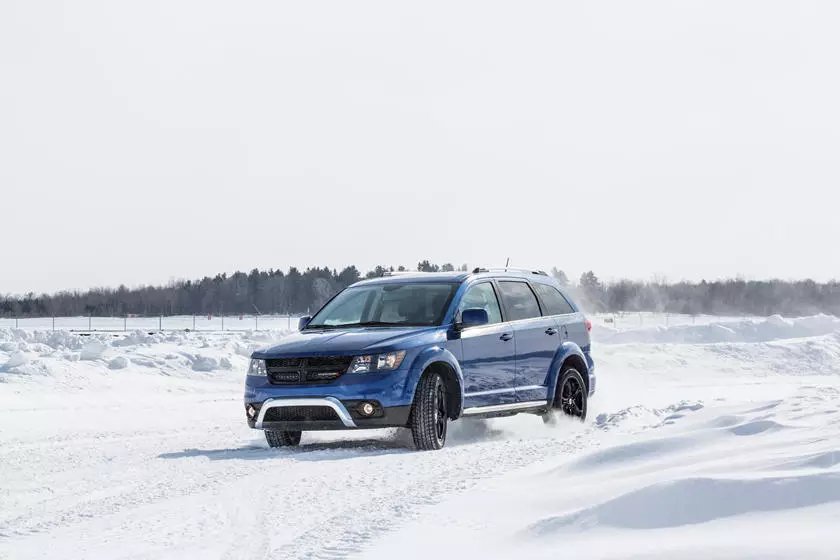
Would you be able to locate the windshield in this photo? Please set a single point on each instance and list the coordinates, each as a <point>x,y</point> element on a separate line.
<point>398,304</point>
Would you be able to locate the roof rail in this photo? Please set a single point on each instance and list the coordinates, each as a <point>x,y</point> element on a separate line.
<point>402,272</point>
<point>478,269</point>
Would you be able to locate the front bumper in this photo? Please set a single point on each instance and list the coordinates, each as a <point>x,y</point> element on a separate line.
<point>322,413</point>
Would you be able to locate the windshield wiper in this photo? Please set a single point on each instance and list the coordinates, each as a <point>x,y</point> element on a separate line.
<point>352,325</point>
<point>387,324</point>
<point>313,327</point>
<point>366,324</point>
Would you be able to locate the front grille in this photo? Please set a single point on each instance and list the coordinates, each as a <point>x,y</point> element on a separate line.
<point>300,414</point>
<point>310,370</point>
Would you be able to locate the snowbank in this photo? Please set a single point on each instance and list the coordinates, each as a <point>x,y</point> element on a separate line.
<point>120,362</point>
<point>92,350</point>
<point>178,353</point>
<point>15,359</point>
<point>750,330</point>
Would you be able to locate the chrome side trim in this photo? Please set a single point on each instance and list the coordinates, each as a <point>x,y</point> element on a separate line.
<point>483,330</point>
<point>511,390</point>
<point>533,388</point>
<point>330,402</point>
<point>534,320</point>
<point>490,392</point>
<point>503,407</point>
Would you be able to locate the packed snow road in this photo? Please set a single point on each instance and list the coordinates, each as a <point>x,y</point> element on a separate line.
<point>700,438</point>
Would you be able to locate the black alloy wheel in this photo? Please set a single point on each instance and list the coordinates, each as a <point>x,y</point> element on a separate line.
<point>571,394</point>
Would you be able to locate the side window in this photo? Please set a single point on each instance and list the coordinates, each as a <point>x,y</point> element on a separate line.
<point>520,300</point>
<point>482,296</point>
<point>555,303</point>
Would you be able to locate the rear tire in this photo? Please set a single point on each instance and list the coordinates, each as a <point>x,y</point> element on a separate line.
<point>430,414</point>
<point>571,396</point>
<point>283,438</point>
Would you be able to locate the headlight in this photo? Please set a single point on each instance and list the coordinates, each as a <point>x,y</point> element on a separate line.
<point>257,367</point>
<point>360,364</point>
<point>376,362</point>
<point>389,361</point>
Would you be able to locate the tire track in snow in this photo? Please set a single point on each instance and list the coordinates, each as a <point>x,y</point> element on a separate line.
<point>444,474</point>
<point>325,500</point>
<point>382,504</point>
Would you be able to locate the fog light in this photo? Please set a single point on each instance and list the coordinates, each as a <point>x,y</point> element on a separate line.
<point>367,409</point>
<point>251,411</point>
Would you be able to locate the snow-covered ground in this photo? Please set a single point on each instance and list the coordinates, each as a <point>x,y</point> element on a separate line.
<point>708,438</point>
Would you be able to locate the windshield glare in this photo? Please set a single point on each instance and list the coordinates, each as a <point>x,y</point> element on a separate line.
<point>404,304</point>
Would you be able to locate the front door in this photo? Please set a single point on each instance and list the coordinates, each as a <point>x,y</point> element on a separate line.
<point>488,360</point>
<point>537,339</point>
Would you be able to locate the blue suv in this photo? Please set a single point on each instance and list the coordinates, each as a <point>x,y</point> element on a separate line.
<point>420,349</point>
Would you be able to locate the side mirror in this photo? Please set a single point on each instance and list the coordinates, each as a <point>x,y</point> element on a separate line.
<point>303,321</point>
<point>474,317</point>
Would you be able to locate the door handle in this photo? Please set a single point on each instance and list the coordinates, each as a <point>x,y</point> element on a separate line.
<point>550,330</point>
<point>506,337</point>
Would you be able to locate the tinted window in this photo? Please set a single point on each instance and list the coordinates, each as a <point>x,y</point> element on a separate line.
<point>553,300</point>
<point>397,303</point>
<point>482,296</point>
<point>520,301</point>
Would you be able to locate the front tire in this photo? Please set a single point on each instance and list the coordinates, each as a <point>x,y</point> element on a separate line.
<point>571,397</point>
<point>430,414</point>
<point>283,438</point>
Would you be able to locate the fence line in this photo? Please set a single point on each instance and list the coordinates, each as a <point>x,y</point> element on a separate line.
<point>125,323</point>
<point>216,323</point>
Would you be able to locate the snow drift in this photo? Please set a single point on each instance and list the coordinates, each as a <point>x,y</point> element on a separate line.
<point>747,330</point>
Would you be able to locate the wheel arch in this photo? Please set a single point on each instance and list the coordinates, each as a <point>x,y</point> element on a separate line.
<point>442,361</point>
<point>568,354</point>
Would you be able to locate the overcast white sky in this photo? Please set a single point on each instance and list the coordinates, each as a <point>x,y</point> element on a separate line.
<point>143,141</point>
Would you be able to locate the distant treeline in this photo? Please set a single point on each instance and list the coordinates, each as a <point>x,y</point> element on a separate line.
<point>295,291</point>
<point>720,297</point>
<point>260,291</point>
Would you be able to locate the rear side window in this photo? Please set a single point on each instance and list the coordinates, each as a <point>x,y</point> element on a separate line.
<point>483,297</point>
<point>520,301</point>
<point>553,300</point>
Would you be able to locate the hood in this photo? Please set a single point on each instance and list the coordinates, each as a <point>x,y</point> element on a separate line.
<point>349,342</point>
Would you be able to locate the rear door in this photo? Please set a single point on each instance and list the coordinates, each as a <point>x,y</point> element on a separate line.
<point>488,361</point>
<point>537,338</point>
<point>571,322</point>
<point>553,303</point>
